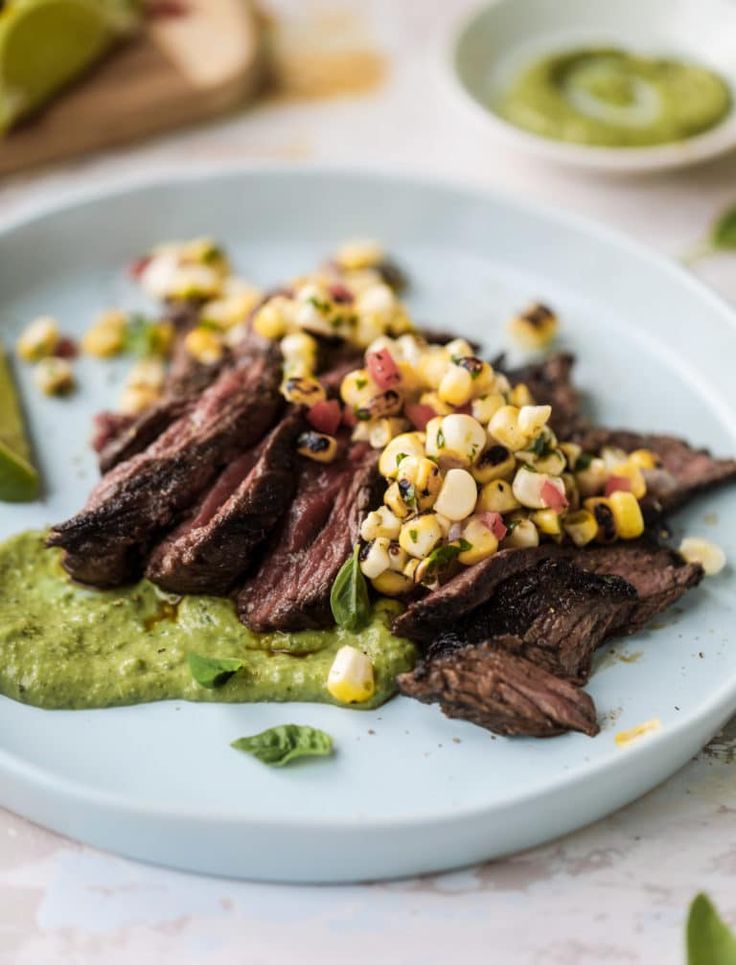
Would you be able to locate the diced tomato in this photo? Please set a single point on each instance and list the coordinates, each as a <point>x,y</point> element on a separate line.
<point>494,522</point>
<point>66,348</point>
<point>325,416</point>
<point>419,415</point>
<point>552,497</point>
<point>383,369</point>
<point>341,294</point>
<point>138,266</point>
<point>466,409</point>
<point>616,484</point>
<point>349,418</point>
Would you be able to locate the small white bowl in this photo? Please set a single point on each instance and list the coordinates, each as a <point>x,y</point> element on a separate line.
<point>497,40</point>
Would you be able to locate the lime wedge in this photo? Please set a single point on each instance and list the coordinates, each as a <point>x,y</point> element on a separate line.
<point>45,44</point>
<point>19,481</point>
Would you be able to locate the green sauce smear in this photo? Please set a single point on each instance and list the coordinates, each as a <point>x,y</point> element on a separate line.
<point>65,646</point>
<point>610,98</point>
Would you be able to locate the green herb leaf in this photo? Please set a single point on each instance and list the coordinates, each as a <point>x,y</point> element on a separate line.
<point>443,555</point>
<point>279,745</point>
<point>212,672</point>
<point>709,939</point>
<point>583,462</point>
<point>140,335</point>
<point>723,232</point>
<point>349,600</point>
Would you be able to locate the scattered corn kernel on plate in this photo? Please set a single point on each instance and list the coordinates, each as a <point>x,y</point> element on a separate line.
<point>406,790</point>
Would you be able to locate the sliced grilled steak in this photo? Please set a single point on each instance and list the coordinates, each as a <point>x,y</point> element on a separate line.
<point>550,383</point>
<point>106,543</point>
<point>507,694</point>
<point>215,546</point>
<point>685,471</point>
<point>291,588</point>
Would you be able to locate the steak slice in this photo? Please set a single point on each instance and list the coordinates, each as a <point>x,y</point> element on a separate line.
<point>504,693</point>
<point>106,543</point>
<point>550,383</point>
<point>685,471</point>
<point>291,588</point>
<point>211,550</point>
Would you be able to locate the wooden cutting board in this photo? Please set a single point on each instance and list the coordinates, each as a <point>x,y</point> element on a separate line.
<point>179,69</point>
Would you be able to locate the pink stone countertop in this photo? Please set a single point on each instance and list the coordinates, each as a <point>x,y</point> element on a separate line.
<point>616,892</point>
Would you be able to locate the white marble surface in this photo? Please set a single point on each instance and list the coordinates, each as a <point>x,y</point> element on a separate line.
<point>615,892</point>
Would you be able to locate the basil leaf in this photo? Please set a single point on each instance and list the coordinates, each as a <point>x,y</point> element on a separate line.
<point>349,600</point>
<point>443,555</point>
<point>212,672</point>
<point>723,232</point>
<point>709,939</point>
<point>279,745</point>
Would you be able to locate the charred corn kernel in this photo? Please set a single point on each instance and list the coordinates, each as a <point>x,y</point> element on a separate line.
<point>455,439</point>
<point>497,497</point>
<point>303,391</point>
<point>644,459</point>
<point>504,428</point>
<point>535,327</point>
<point>391,583</point>
<point>481,373</point>
<point>374,558</point>
<point>457,348</point>
<point>496,462</point>
<point>424,478</point>
<point>581,527</point>
<point>572,493</point>
<point>381,522</point>
<point>522,535</point>
<point>396,503</point>
<point>354,255</point>
<point>456,386</point>
<point>380,406</point>
<point>694,549</point>
<point>204,345</point>
<point>426,573</point>
<point>54,376</point>
<point>547,521</point>
<point>420,535</point>
<point>635,476</point>
<point>107,336</point>
<point>572,452</point>
<point>520,395</point>
<point>299,346</point>
<point>533,418</point>
<point>317,446</point>
<point>482,543</point>
<point>432,365</point>
<point>591,479</point>
<point>410,348</point>
<point>433,400</point>
<point>351,679</point>
<point>625,737</point>
<point>552,463</point>
<point>534,489</point>
<point>401,446</point>
<point>137,398</point>
<point>626,514</point>
<point>357,388</point>
<point>398,558</point>
<point>603,515</point>
<point>294,369</point>
<point>270,321</point>
<point>39,339</point>
<point>385,430</point>
<point>148,373</point>
<point>410,570</point>
<point>486,406</point>
<point>457,497</point>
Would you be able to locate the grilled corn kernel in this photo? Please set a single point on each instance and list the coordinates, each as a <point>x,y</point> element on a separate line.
<point>398,558</point>
<point>504,428</point>
<point>54,376</point>
<point>547,521</point>
<point>204,345</point>
<point>457,497</point>
<point>391,583</point>
<point>374,558</point>
<point>357,388</point>
<point>299,346</point>
<point>482,543</point>
<point>603,514</point>
<point>711,557</point>
<point>432,365</point>
<point>458,348</point>
<point>39,339</point>
<point>410,570</point>
<point>572,452</point>
<point>147,373</point>
<point>581,527</point>
<point>303,391</point>
<point>351,679</point>
<point>591,479</point>
<point>534,489</point>
<point>533,418</point>
<point>381,405</point>
<point>456,439</point>
<point>381,522</point>
<point>627,470</point>
<point>627,514</point>
<point>434,402</point>
<point>613,457</point>
<point>107,336</point>
<point>497,497</point>
<point>419,536</point>
<point>395,501</point>
<point>401,446</point>
<point>137,398</point>
<point>486,406</point>
<point>496,462</point>
<point>520,395</point>
<point>522,535</point>
<point>644,459</point>
<point>456,386</point>
<point>571,491</point>
<point>270,321</point>
<point>385,430</point>
<point>317,446</point>
<point>535,327</point>
<point>423,476</point>
<point>553,463</point>
<point>354,255</point>
<point>233,308</point>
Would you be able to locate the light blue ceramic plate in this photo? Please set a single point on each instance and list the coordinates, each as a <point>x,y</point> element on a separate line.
<point>408,791</point>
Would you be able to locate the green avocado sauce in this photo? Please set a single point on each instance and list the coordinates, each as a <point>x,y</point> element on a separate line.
<point>611,98</point>
<point>65,646</point>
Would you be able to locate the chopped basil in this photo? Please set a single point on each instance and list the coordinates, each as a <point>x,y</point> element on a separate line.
<point>399,457</point>
<point>280,745</point>
<point>361,383</point>
<point>442,556</point>
<point>440,439</point>
<point>141,336</point>
<point>709,940</point>
<point>414,535</point>
<point>212,672</point>
<point>583,462</point>
<point>349,600</point>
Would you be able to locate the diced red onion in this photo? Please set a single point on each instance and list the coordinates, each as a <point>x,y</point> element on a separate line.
<point>325,416</point>
<point>616,484</point>
<point>419,414</point>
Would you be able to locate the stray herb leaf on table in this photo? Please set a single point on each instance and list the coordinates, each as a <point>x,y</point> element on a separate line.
<point>709,939</point>
<point>288,742</point>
